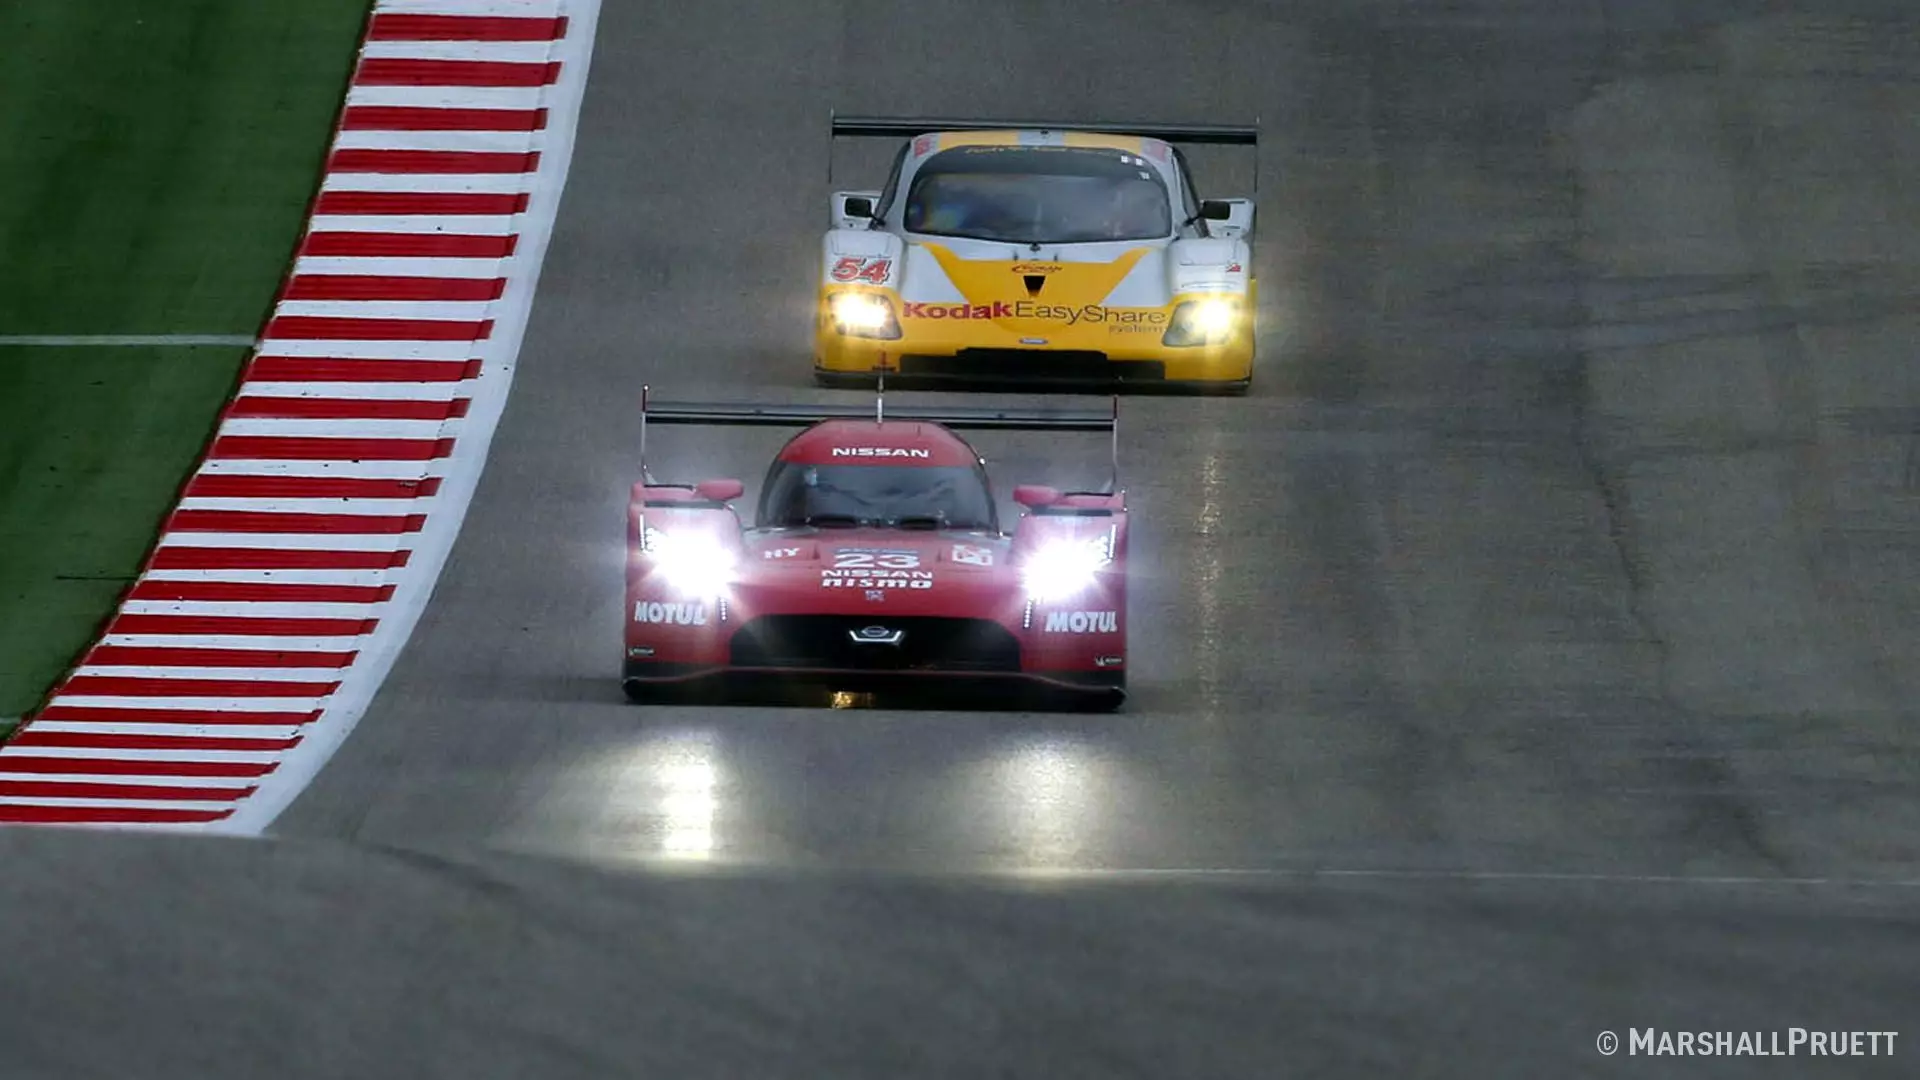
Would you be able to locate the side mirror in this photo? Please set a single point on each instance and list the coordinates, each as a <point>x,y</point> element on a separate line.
<point>719,490</point>
<point>1033,496</point>
<point>852,209</point>
<point>1229,218</point>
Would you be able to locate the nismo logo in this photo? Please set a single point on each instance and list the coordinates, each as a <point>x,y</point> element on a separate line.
<point>1070,314</point>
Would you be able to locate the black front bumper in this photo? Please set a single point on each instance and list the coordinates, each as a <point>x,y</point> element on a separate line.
<point>1016,370</point>
<point>948,688</point>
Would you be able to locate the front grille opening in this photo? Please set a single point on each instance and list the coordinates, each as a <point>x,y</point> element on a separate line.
<point>822,641</point>
<point>1037,364</point>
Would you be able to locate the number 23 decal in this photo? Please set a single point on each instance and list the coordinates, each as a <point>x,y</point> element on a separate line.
<point>868,560</point>
<point>861,268</point>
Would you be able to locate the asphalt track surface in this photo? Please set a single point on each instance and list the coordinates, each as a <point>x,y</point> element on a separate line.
<point>1529,655</point>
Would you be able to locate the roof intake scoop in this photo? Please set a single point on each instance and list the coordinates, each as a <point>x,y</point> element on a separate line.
<point>1034,282</point>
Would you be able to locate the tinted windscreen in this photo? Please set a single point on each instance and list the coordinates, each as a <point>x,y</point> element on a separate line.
<point>1038,195</point>
<point>950,497</point>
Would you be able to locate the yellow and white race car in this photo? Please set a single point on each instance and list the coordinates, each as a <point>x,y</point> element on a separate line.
<point>1020,254</point>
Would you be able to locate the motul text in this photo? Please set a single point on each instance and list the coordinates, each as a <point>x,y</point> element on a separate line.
<point>1082,622</point>
<point>645,611</point>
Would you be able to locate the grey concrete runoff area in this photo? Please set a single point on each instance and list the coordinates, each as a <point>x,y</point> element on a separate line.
<point>1531,654</point>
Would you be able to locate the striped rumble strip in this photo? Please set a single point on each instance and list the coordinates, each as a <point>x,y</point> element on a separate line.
<point>304,544</point>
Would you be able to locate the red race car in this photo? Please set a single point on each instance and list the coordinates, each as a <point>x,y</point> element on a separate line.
<point>877,563</point>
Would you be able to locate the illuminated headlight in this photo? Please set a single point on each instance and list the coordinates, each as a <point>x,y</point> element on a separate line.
<point>864,315</point>
<point>691,565</point>
<point>1064,569</point>
<point>1203,322</point>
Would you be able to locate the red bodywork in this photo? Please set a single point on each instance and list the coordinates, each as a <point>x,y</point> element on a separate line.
<point>798,598</point>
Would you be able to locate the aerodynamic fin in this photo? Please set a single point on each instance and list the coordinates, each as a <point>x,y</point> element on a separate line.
<point>959,418</point>
<point>909,126</point>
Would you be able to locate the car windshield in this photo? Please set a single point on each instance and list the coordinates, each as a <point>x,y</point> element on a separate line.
<point>828,496</point>
<point>1038,195</point>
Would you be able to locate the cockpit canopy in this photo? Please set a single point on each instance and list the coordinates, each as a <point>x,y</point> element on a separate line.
<point>799,493</point>
<point>1038,195</point>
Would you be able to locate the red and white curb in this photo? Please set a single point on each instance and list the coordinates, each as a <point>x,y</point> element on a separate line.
<point>303,549</point>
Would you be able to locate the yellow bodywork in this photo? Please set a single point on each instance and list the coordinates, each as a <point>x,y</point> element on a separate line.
<point>1064,314</point>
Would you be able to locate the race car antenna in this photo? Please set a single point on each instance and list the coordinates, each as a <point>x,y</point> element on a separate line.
<point>644,477</point>
<point>880,392</point>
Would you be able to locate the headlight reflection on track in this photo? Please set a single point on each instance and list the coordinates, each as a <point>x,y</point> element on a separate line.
<point>671,787</point>
<point>687,806</point>
<point>1048,799</point>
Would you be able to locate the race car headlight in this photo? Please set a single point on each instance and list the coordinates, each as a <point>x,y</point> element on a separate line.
<point>691,565</point>
<point>864,315</point>
<point>1064,569</point>
<point>1202,322</point>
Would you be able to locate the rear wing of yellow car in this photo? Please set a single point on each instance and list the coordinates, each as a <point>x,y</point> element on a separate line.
<point>906,127</point>
<point>853,127</point>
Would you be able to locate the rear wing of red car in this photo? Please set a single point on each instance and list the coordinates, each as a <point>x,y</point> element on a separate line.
<point>909,126</point>
<point>958,418</point>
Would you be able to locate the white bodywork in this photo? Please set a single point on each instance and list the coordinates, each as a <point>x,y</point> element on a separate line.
<point>1194,256</point>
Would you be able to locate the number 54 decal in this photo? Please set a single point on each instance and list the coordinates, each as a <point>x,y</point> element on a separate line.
<point>861,268</point>
<point>869,560</point>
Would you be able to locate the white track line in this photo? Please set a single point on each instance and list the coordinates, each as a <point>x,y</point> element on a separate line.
<point>247,703</point>
<point>245,609</point>
<point>227,674</point>
<point>286,541</point>
<point>368,350</point>
<point>533,9</point>
<point>328,644</point>
<point>419,224</point>
<point>280,577</point>
<point>464,310</point>
<point>364,391</point>
<point>481,142</point>
<point>160,781</point>
<point>513,52</point>
<point>308,506</point>
<point>1273,876</point>
<point>336,429</point>
<point>211,731</point>
<point>1458,876</point>
<point>94,341</point>
<point>115,804</point>
<point>363,470</point>
<point>379,266</point>
<point>462,183</point>
<point>83,753</point>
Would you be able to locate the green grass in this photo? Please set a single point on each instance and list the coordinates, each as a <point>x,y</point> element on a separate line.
<point>156,160</point>
<point>85,479</point>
